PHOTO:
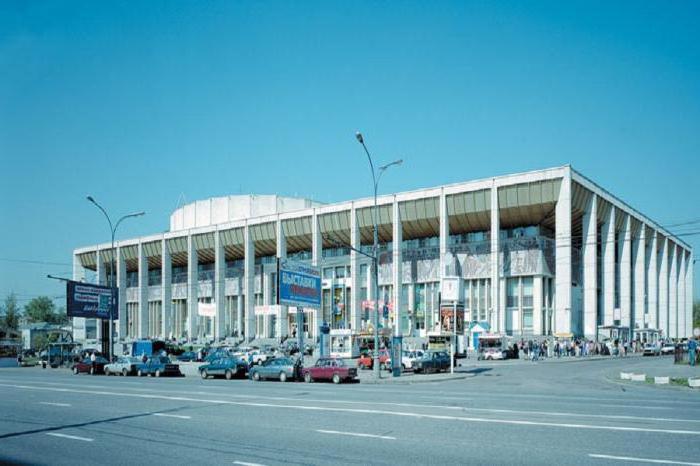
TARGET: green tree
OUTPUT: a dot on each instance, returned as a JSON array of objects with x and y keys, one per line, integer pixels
[
  {"x": 12, "y": 312},
  {"x": 40, "y": 309}
]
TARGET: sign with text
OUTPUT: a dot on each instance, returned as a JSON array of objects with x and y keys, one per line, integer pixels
[
  {"x": 299, "y": 284},
  {"x": 91, "y": 301}
]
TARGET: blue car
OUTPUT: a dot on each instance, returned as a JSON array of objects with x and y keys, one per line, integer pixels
[
  {"x": 228, "y": 366},
  {"x": 158, "y": 366},
  {"x": 281, "y": 369}
]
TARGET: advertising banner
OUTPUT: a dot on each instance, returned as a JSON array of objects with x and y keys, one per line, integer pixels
[
  {"x": 299, "y": 284},
  {"x": 91, "y": 301},
  {"x": 447, "y": 319},
  {"x": 206, "y": 309}
]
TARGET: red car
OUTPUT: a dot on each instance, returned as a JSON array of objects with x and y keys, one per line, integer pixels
[
  {"x": 329, "y": 369},
  {"x": 86, "y": 366},
  {"x": 365, "y": 360}
]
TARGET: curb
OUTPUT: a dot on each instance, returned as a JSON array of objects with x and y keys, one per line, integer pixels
[{"x": 410, "y": 380}]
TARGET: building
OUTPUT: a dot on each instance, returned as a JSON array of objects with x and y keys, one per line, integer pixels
[{"x": 541, "y": 253}]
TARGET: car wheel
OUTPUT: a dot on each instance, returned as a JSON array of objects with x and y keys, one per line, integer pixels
[
  {"x": 228, "y": 375},
  {"x": 158, "y": 373},
  {"x": 203, "y": 373},
  {"x": 256, "y": 376},
  {"x": 107, "y": 373},
  {"x": 283, "y": 376},
  {"x": 308, "y": 378},
  {"x": 336, "y": 379},
  {"x": 125, "y": 372},
  {"x": 140, "y": 373},
  {"x": 76, "y": 371}
]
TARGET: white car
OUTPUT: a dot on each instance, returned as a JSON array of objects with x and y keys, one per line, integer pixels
[
  {"x": 124, "y": 365},
  {"x": 491, "y": 354},
  {"x": 668, "y": 348},
  {"x": 408, "y": 358},
  {"x": 652, "y": 349}
]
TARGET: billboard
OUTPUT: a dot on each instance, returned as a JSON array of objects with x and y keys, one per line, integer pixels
[
  {"x": 91, "y": 301},
  {"x": 299, "y": 284}
]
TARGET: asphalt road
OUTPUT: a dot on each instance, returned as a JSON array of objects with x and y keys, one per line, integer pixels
[{"x": 507, "y": 413}]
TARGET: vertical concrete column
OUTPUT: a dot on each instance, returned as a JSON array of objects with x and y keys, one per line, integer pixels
[
  {"x": 590, "y": 267},
  {"x": 607, "y": 235},
  {"x": 626, "y": 273},
  {"x": 537, "y": 305},
  {"x": 101, "y": 279},
  {"x": 663, "y": 287},
  {"x": 397, "y": 263},
  {"x": 192, "y": 288},
  {"x": 639, "y": 258},
  {"x": 166, "y": 290},
  {"x": 562, "y": 237},
  {"x": 354, "y": 272},
  {"x": 121, "y": 285},
  {"x": 496, "y": 317},
  {"x": 143, "y": 326},
  {"x": 240, "y": 307},
  {"x": 283, "y": 320},
  {"x": 652, "y": 281},
  {"x": 673, "y": 292},
  {"x": 219, "y": 288},
  {"x": 249, "y": 278},
  {"x": 79, "y": 331},
  {"x": 547, "y": 307},
  {"x": 444, "y": 232},
  {"x": 689, "y": 296},
  {"x": 681, "y": 293},
  {"x": 316, "y": 256}
]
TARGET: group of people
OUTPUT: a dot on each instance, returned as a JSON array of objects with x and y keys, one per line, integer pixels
[{"x": 535, "y": 350}]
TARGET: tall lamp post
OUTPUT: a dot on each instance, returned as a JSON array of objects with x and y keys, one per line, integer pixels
[
  {"x": 376, "y": 176},
  {"x": 113, "y": 231}
]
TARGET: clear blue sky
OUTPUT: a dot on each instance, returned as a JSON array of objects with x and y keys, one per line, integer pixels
[{"x": 137, "y": 103}]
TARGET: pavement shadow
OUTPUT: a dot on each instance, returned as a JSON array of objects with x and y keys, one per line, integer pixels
[{"x": 478, "y": 370}]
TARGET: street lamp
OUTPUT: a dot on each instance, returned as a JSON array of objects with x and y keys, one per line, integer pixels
[
  {"x": 113, "y": 231},
  {"x": 375, "y": 247}
]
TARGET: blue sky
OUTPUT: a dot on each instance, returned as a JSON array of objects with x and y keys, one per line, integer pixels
[{"x": 138, "y": 103}]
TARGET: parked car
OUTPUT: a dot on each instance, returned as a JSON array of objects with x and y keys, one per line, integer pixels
[
  {"x": 493, "y": 353},
  {"x": 124, "y": 365},
  {"x": 85, "y": 366},
  {"x": 668, "y": 348},
  {"x": 281, "y": 369},
  {"x": 409, "y": 358},
  {"x": 652, "y": 349},
  {"x": 228, "y": 366},
  {"x": 329, "y": 369},
  {"x": 255, "y": 356},
  {"x": 187, "y": 356},
  {"x": 432, "y": 361},
  {"x": 29, "y": 359},
  {"x": 365, "y": 360},
  {"x": 158, "y": 366}
]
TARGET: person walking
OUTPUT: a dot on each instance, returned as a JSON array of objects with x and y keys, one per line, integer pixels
[
  {"x": 692, "y": 348},
  {"x": 93, "y": 358}
]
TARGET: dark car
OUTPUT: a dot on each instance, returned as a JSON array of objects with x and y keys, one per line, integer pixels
[
  {"x": 158, "y": 366},
  {"x": 187, "y": 356},
  {"x": 86, "y": 366},
  {"x": 228, "y": 366},
  {"x": 329, "y": 369},
  {"x": 281, "y": 369},
  {"x": 432, "y": 361}
]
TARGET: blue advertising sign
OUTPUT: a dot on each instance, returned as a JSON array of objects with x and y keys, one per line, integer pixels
[
  {"x": 91, "y": 301},
  {"x": 299, "y": 284}
]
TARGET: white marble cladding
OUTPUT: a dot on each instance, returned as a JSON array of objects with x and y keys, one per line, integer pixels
[
  {"x": 179, "y": 290},
  {"x": 155, "y": 293}
]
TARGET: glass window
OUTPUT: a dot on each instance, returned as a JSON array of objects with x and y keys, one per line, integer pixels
[
  {"x": 527, "y": 292},
  {"x": 328, "y": 272},
  {"x": 340, "y": 272},
  {"x": 512, "y": 292}
]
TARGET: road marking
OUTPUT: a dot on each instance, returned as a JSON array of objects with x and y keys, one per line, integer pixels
[
  {"x": 178, "y": 416},
  {"x": 243, "y": 463},
  {"x": 72, "y": 437},
  {"x": 641, "y": 460},
  {"x": 53, "y": 404},
  {"x": 365, "y": 411},
  {"x": 355, "y": 434}
]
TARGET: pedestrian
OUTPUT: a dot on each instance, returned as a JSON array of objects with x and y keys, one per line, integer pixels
[
  {"x": 93, "y": 359},
  {"x": 692, "y": 348},
  {"x": 19, "y": 358}
]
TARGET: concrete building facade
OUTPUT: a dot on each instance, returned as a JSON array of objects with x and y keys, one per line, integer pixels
[{"x": 541, "y": 253}]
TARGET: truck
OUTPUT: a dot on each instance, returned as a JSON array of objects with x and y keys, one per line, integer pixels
[{"x": 147, "y": 347}]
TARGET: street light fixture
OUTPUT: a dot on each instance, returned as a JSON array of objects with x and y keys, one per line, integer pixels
[
  {"x": 375, "y": 247},
  {"x": 113, "y": 231}
]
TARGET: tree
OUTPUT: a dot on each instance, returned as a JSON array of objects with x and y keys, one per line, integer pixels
[
  {"x": 12, "y": 312},
  {"x": 40, "y": 309}
]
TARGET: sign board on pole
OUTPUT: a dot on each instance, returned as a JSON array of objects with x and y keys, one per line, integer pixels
[
  {"x": 451, "y": 289},
  {"x": 299, "y": 284},
  {"x": 91, "y": 301}
]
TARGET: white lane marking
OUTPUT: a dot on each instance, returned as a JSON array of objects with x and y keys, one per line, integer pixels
[
  {"x": 355, "y": 434},
  {"x": 178, "y": 416},
  {"x": 243, "y": 463},
  {"x": 367, "y": 411},
  {"x": 641, "y": 460},
  {"x": 53, "y": 404},
  {"x": 72, "y": 437}
]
